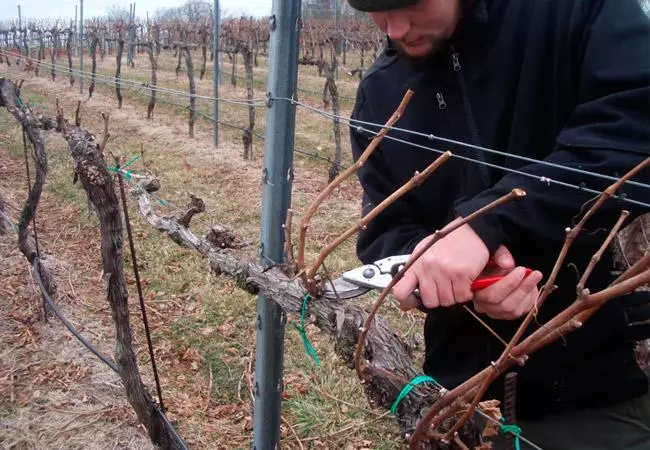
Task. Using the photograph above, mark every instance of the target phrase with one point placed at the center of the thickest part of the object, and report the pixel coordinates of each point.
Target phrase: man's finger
(503, 258)
(462, 290)
(429, 294)
(404, 287)
(527, 304)
(499, 291)
(445, 289)
(518, 303)
(412, 301)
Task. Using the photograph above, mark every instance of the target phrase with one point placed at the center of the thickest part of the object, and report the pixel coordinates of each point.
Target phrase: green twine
(515, 430)
(163, 202)
(19, 103)
(309, 349)
(406, 390)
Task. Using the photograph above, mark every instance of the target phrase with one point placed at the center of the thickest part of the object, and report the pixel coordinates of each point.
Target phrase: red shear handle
(482, 283)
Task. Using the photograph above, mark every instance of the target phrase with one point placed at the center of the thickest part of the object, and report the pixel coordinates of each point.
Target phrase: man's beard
(437, 47)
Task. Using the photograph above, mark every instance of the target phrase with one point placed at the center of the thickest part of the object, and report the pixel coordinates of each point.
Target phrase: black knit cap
(380, 5)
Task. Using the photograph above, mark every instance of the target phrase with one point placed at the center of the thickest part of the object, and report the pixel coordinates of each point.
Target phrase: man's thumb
(503, 258)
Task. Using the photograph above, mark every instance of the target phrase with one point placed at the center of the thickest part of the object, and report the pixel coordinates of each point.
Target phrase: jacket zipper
(469, 116)
(442, 104)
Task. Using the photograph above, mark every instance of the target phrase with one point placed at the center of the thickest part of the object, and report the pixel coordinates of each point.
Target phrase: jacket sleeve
(608, 133)
(396, 230)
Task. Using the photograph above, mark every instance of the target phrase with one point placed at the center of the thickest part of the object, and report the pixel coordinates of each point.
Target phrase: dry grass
(203, 325)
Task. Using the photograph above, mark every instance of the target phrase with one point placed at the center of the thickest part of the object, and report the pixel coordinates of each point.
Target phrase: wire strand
(434, 137)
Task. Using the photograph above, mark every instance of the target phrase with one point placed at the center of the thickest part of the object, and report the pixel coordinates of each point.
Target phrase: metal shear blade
(359, 281)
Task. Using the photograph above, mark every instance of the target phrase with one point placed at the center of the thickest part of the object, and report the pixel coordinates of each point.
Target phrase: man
(559, 81)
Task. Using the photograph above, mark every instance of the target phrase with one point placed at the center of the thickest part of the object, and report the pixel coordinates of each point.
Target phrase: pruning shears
(378, 275)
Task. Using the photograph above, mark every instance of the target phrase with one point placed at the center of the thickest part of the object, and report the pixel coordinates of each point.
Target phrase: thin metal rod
(136, 273)
(81, 45)
(284, 26)
(76, 18)
(215, 69)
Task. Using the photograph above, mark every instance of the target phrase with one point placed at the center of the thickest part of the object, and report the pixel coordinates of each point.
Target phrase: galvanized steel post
(284, 27)
(81, 46)
(215, 69)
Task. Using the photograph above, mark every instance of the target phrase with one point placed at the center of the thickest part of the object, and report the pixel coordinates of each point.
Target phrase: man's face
(421, 29)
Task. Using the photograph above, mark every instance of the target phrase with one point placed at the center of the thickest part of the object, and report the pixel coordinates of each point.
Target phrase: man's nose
(397, 25)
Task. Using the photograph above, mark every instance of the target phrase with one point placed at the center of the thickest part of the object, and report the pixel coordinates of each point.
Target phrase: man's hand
(511, 297)
(445, 272)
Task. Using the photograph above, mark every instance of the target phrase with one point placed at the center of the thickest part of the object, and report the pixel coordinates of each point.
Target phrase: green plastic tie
(37, 105)
(515, 430)
(163, 202)
(406, 390)
(19, 103)
(117, 169)
(309, 348)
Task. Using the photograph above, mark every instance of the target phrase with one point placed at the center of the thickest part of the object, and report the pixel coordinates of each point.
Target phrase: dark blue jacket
(563, 81)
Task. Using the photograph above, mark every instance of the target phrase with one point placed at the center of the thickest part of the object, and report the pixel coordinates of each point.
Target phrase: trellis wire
(350, 121)
(433, 137)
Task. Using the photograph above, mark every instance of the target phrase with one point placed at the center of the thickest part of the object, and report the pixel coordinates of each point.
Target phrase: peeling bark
(153, 58)
(9, 97)
(93, 54)
(55, 38)
(68, 48)
(247, 138)
(41, 51)
(204, 53)
(118, 58)
(233, 69)
(192, 85)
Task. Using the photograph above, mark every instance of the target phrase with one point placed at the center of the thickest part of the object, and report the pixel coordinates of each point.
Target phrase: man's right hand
(445, 271)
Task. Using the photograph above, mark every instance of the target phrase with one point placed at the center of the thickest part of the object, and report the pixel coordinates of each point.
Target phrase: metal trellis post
(76, 18)
(81, 46)
(215, 69)
(284, 27)
(337, 21)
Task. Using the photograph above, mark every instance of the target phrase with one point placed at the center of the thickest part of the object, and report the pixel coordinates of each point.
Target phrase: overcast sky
(65, 8)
